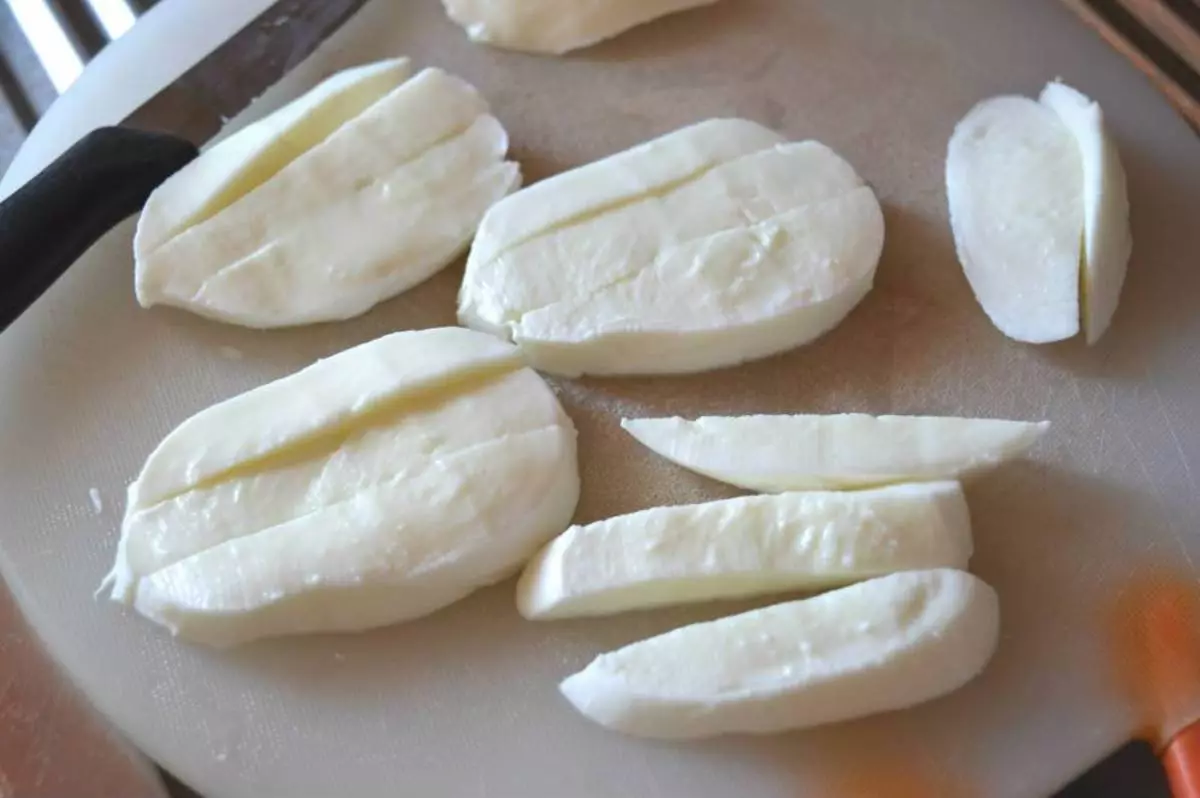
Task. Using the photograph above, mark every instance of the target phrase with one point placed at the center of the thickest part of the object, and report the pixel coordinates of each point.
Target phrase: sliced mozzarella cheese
(746, 546)
(236, 165)
(332, 394)
(552, 26)
(837, 452)
(648, 169)
(374, 486)
(1014, 179)
(707, 247)
(876, 646)
(381, 202)
(1107, 242)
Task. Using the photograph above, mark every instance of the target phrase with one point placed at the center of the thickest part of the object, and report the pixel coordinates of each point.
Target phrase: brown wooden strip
(1173, 30)
(1169, 84)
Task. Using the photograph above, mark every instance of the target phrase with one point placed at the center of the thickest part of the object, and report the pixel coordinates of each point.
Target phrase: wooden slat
(1165, 21)
(81, 26)
(30, 85)
(1167, 69)
(14, 94)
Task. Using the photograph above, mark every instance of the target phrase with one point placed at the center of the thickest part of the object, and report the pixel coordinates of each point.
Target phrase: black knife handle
(54, 218)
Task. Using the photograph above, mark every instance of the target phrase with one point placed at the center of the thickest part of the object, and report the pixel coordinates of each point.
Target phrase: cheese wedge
(1014, 180)
(372, 487)
(352, 194)
(712, 245)
(873, 647)
(552, 26)
(1107, 241)
(753, 545)
(838, 452)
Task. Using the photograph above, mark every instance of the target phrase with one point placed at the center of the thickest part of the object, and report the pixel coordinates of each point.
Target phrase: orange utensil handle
(1182, 762)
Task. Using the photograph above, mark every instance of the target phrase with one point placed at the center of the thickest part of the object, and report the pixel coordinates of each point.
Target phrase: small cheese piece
(837, 452)
(1107, 241)
(713, 245)
(552, 26)
(873, 647)
(352, 194)
(372, 487)
(747, 546)
(1014, 180)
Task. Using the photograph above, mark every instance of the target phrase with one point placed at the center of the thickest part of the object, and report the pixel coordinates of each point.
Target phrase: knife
(48, 223)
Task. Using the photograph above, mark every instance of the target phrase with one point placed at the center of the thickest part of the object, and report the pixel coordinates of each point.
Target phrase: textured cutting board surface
(464, 702)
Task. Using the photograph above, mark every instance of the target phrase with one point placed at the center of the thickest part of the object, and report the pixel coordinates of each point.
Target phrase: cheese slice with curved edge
(748, 546)
(1014, 180)
(235, 165)
(709, 246)
(877, 646)
(555, 27)
(1107, 241)
(836, 452)
(374, 486)
(357, 191)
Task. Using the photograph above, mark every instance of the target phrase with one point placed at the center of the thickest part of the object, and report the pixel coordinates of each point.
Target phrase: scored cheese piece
(877, 646)
(747, 546)
(374, 486)
(835, 452)
(555, 27)
(709, 246)
(1107, 241)
(332, 394)
(382, 200)
(1014, 180)
(235, 165)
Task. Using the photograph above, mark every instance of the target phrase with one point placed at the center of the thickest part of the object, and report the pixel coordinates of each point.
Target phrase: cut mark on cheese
(414, 428)
(734, 180)
(420, 464)
(326, 395)
(310, 141)
(385, 200)
(364, 185)
(671, 158)
(596, 211)
(328, 108)
(403, 547)
(769, 235)
(324, 441)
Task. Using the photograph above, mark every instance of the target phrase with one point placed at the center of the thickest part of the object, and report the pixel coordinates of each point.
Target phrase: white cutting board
(464, 703)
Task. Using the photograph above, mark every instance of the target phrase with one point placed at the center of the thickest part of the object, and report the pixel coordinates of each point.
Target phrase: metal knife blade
(225, 81)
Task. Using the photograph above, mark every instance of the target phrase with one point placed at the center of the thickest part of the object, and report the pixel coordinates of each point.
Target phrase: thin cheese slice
(1107, 241)
(754, 545)
(553, 26)
(876, 646)
(835, 452)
